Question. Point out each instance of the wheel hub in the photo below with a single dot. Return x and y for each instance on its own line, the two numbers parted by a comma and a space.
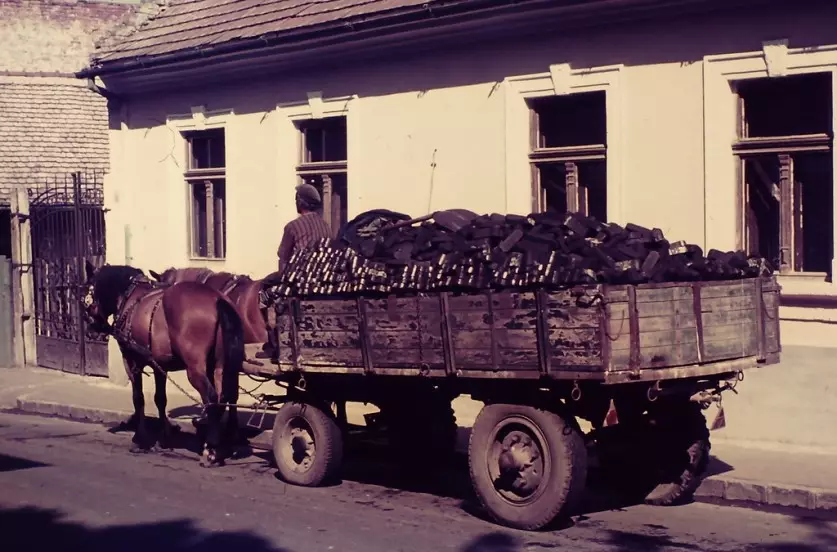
520, 463
302, 448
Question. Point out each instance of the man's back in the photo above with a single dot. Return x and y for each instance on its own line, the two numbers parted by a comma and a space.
301, 232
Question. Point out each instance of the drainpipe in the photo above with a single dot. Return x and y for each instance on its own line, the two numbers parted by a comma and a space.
102, 91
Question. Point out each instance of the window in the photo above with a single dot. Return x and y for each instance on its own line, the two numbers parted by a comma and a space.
206, 177
324, 165
568, 153
784, 151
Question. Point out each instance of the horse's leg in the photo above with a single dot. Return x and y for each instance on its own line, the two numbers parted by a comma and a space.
201, 382
140, 441
160, 399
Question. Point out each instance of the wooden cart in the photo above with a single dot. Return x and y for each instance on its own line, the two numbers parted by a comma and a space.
649, 356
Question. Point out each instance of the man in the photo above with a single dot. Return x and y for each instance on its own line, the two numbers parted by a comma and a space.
308, 228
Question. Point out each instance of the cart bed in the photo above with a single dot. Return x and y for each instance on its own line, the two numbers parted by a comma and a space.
601, 332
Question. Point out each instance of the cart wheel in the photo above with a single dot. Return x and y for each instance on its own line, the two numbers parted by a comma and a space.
528, 466
307, 444
683, 449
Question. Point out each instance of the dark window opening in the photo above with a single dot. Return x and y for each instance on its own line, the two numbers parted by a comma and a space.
785, 147
206, 177
324, 164
786, 106
324, 140
572, 120
569, 152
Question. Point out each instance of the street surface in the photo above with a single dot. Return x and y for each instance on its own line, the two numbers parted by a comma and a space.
75, 487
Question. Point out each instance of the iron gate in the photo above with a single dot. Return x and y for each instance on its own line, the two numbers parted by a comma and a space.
68, 228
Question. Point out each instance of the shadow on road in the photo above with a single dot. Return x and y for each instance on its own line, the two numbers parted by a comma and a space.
38, 529
13, 463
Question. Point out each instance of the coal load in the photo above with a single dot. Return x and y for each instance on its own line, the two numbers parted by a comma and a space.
379, 253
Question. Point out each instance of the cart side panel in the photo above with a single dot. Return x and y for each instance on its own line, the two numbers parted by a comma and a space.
574, 335
682, 324
320, 333
405, 332
770, 296
494, 331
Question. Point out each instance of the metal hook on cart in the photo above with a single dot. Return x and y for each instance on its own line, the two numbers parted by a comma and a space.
575, 394
301, 384
654, 392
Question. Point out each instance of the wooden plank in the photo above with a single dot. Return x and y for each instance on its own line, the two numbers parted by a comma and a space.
728, 303
330, 306
646, 310
333, 356
725, 317
576, 359
510, 319
324, 340
731, 348
407, 358
503, 300
332, 322
657, 356
510, 359
663, 338
571, 338
404, 340
654, 295
407, 322
737, 288
576, 317
505, 339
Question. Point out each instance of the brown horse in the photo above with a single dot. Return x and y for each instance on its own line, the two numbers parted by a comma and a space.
241, 290
185, 326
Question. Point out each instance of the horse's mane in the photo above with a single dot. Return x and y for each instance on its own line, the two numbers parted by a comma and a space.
110, 282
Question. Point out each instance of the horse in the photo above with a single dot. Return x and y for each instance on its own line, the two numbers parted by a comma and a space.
241, 290
199, 331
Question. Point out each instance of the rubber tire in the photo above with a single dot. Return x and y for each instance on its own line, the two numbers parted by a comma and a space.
328, 440
568, 456
689, 441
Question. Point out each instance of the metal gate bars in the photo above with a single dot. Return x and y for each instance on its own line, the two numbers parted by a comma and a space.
67, 228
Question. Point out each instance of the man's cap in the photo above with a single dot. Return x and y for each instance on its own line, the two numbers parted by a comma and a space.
308, 193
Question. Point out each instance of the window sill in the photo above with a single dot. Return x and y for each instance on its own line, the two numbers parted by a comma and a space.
807, 290
210, 259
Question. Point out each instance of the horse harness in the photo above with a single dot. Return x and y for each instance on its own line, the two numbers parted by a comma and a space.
122, 326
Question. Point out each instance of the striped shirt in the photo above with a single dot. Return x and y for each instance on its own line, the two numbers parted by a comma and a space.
300, 233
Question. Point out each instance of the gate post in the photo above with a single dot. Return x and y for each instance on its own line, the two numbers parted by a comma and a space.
23, 328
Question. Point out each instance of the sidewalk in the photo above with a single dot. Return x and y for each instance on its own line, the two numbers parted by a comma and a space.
775, 476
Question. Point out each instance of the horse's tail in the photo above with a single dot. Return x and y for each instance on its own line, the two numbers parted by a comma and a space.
232, 338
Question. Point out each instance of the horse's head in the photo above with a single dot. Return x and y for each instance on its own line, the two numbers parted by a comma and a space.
166, 277
103, 289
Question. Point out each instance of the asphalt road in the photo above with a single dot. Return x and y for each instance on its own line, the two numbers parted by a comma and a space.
75, 487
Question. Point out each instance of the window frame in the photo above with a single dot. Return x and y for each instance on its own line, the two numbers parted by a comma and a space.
208, 177
560, 79
325, 170
577, 193
784, 147
724, 223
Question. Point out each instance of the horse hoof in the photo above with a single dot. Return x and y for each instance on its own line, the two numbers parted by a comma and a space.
139, 449
210, 460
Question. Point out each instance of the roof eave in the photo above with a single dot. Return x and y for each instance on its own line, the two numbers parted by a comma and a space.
396, 21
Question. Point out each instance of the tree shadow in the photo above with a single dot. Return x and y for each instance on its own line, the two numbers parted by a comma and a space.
493, 542
823, 537
32, 528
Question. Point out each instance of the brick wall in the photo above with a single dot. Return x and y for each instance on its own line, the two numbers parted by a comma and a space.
50, 124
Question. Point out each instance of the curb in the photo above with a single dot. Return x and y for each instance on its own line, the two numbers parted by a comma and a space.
732, 491
80, 413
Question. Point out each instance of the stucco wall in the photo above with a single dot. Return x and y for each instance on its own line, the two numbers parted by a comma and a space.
453, 103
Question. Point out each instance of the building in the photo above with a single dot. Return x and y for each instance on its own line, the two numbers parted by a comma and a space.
51, 125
